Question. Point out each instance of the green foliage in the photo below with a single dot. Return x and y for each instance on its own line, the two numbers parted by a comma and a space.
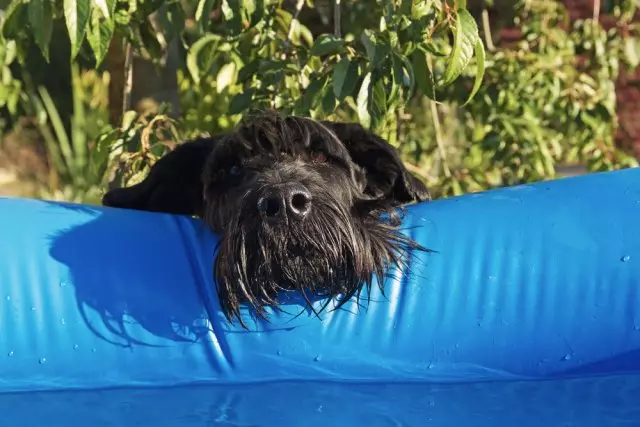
550, 100
9, 87
79, 163
415, 71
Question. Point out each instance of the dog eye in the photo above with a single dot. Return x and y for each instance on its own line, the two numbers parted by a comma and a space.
318, 157
235, 170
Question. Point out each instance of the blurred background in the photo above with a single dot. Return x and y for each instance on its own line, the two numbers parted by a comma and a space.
476, 94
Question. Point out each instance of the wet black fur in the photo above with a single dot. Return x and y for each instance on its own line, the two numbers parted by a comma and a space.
357, 182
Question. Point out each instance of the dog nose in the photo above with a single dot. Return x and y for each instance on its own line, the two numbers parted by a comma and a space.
285, 201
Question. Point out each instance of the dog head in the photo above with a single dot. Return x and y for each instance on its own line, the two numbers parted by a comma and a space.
304, 205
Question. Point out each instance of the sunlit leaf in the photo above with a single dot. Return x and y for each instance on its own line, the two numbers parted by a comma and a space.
465, 38
480, 57
362, 101
99, 35
77, 14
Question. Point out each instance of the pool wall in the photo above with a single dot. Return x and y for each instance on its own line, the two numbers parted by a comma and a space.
537, 281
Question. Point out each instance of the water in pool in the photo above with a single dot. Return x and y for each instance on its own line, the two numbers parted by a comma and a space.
594, 402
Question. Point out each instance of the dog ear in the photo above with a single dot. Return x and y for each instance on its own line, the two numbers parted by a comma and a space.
387, 177
174, 184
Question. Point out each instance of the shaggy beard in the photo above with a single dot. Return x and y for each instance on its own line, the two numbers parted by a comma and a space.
331, 253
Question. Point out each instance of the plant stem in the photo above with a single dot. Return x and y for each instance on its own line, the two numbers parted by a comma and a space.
128, 78
486, 29
438, 132
336, 19
299, 6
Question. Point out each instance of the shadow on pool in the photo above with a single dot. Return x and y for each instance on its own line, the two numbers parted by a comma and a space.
137, 288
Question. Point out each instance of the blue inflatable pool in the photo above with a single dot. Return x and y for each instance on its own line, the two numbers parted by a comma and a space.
528, 314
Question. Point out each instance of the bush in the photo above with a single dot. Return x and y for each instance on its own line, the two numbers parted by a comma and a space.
465, 115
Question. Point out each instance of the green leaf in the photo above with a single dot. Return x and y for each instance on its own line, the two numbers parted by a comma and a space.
397, 77
327, 44
77, 13
465, 39
362, 101
241, 101
377, 50
632, 51
203, 11
63, 143
368, 39
99, 155
105, 6
41, 21
14, 17
248, 70
311, 93
410, 73
480, 57
271, 78
377, 103
628, 10
345, 78
99, 35
423, 75
242, 14
226, 76
328, 102
194, 52
78, 124
150, 40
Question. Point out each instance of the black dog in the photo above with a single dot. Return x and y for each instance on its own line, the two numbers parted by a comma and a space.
299, 205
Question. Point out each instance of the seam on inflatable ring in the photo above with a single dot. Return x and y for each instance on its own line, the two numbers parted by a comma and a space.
221, 351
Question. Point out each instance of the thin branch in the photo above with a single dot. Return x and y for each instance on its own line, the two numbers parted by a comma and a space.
336, 19
415, 169
299, 6
438, 131
292, 25
128, 78
596, 10
486, 29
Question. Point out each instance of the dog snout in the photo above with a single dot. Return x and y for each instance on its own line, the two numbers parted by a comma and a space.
286, 201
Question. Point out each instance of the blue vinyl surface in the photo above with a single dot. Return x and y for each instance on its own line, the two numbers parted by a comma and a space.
529, 312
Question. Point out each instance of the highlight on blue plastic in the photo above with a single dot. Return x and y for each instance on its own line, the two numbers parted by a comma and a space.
528, 312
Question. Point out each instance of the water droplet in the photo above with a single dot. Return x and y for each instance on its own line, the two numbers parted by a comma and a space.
279, 353
8, 297
625, 258
42, 360
62, 322
76, 346
316, 359
63, 284
10, 354
33, 309
566, 357
93, 350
